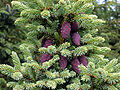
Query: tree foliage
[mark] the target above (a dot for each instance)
(55, 54)
(110, 12)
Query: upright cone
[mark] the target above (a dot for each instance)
(74, 26)
(83, 60)
(75, 64)
(46, 42)
(76, 38)
(65, 30)
(63, 62)
(45, 57)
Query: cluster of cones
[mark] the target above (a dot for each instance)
(72, 28)
(66, 29)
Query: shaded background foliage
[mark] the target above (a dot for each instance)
(109, 10)
(10, 35)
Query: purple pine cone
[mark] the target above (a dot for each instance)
(75, 64)
(63, 62)
(82, 13)
(76, 38)
(45, 57)
(65, 30)
(74, 26)
(83, 60)
(46, 42)
(43, 42)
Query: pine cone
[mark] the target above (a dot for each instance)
(45, 57)
(43, 42)
(76, 38)
(46, 42)
(74, 26)
(75, 64)
(82, 13)
(63, 62)
(83, 60)
(65, 30)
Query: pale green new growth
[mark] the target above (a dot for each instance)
(6, 69)
(20, 6)
(82, 50)
(16, 61)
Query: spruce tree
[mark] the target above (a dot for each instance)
(110, 11)
(62, 50)
(10, 35)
